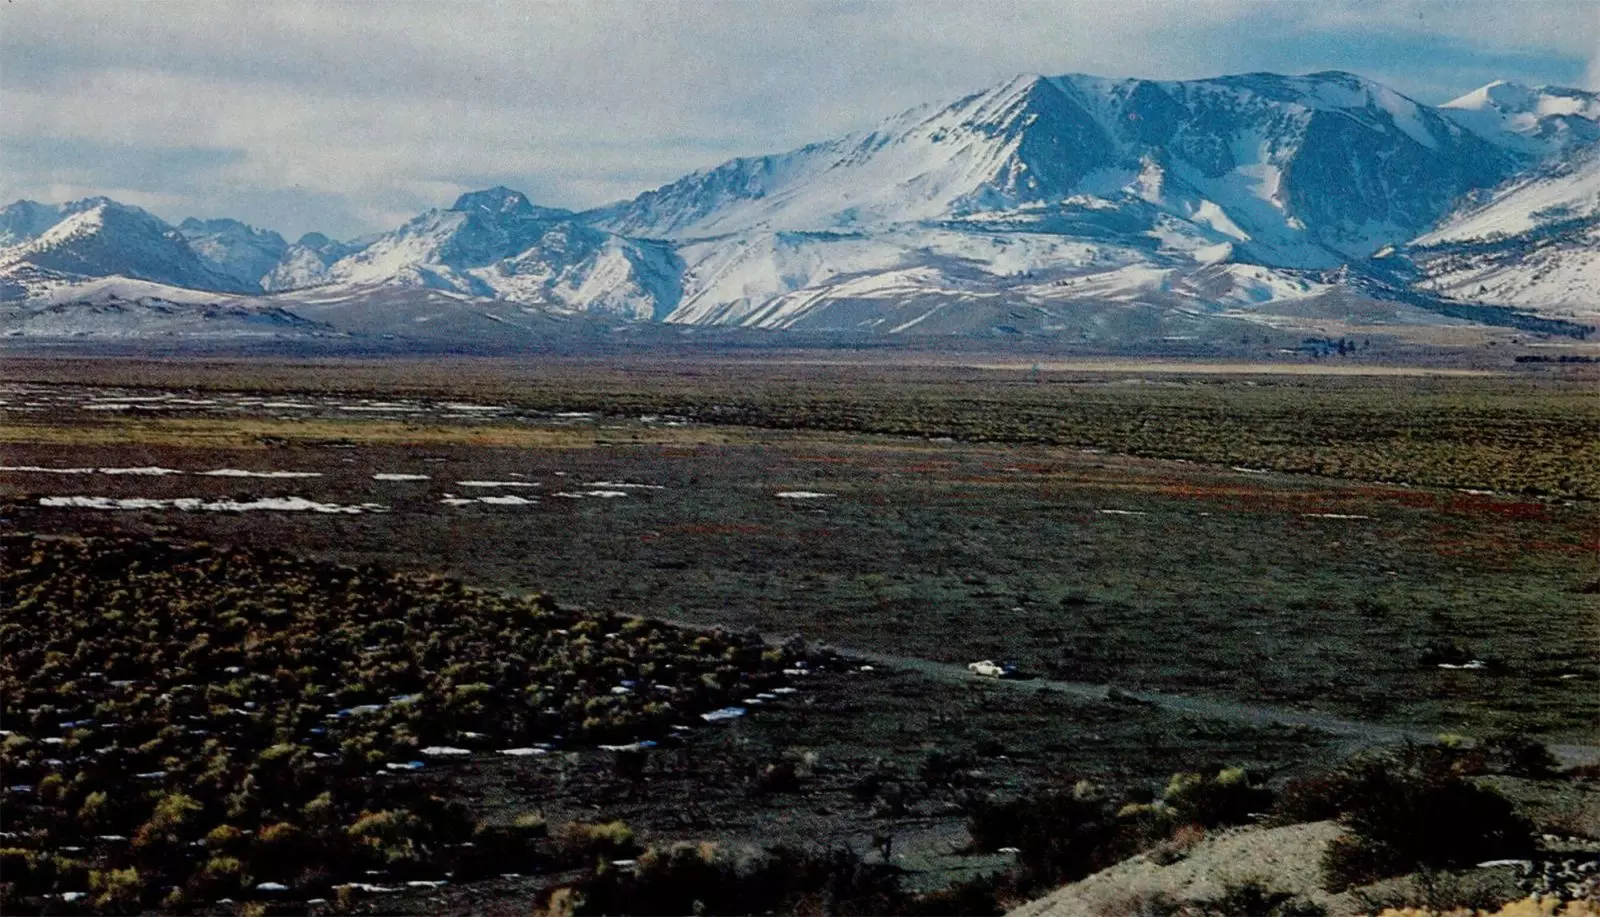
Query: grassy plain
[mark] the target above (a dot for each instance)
(1536, 431)
(1128, 528)
(1290, 540)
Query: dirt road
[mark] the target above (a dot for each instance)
(1355, 734)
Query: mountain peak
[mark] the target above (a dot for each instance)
(234, 249)
(100, 237)
(1338, 76)
(99, 201)
(1499, 94)
(219, 224)
(24, 219)
(24, 204)
(1038, 190)
(1544, 121)
(496, 200)
(1021, 83)
(1505, 96)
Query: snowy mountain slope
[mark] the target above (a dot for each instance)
(749, 281)
(479, 229)
(495, 244)
(235, 250)
(1542, 121)
(47, 245)
(305, 263)
(853, 282)
(108, 309)
(99, 290)
(1307, 171)
(118, 308)
(926, 164)
(1329, 159)
(100, 238)
(1557, 278)
(575, 268)
(21, 221)
(387, 313)
(1533, 243)
(1122, 304)
(1041, 205)
(1558, 194)
(1063, 177)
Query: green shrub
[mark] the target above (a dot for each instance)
(500, 847)
(94, 811)
(702, 879)
(1411, 811)
(226, 839)
(390, 834)
(51, 788)
(580, 843)
(271, 745)
(319, 812)
(281, 851)
(160, 838)
(1229, 798)
(1519, 756)
(116, 889)
(1060, 837)
(220, 877)
(21, 869)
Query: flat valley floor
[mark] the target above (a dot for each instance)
(1414, 553)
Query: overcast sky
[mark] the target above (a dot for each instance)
(352, 117)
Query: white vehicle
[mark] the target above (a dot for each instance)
(987, 668)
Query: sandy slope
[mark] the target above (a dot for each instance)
(1281, 859)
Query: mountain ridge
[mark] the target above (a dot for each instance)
(1038, 196)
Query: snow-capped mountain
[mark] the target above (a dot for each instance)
(496, 244)
(25, 220)
(1068, 181)
(306, 262)
(235, 250)
(1535, 243)
(99, 237)
(1305, 171)
(1071, 205)
(1542, 121)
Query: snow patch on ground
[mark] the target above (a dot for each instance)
(199, 504)
(507, 500)
(241, 473)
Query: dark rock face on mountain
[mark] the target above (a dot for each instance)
(243, 253)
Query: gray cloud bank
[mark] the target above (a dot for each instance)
(352, 117)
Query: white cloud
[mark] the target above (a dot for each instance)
(340, 115)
